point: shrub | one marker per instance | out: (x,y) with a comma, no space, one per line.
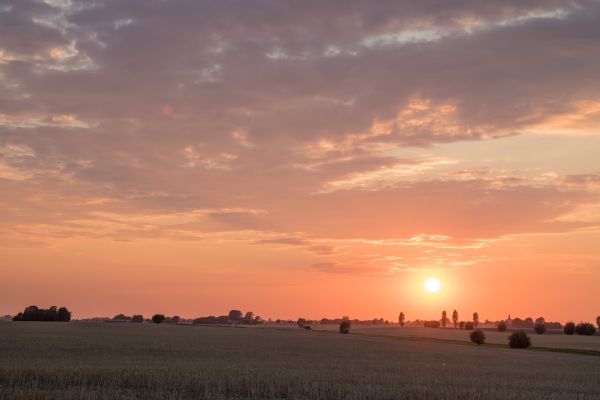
(158,318)
(307,327)
(502,326)
(138,319)
(477,336)
(431,324)
(469,326)
(540,328)
(519,340)
(585,328)
(569,328)
(345,326)
(461,324)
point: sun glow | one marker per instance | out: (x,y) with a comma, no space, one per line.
(432,285)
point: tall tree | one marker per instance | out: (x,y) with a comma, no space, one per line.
(475,319)
(598,321)
(235,315)
(64,315)
(444,318)
(455,318)
(401,319)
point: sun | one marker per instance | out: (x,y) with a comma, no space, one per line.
(432,285)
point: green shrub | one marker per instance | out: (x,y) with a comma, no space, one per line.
(345,326)
(477,336)
(540,328)
(519,340)
(569,328)
(585,328)
(502,326)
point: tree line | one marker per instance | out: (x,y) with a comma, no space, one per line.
(53,314)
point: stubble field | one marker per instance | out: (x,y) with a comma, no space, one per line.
(146,361)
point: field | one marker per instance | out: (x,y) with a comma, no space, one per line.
(146,361)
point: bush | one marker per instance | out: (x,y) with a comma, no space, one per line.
(585,328)
(345,326)
(540,328)
(477,336)
(569,328)
(502,326)
(307,327)
(158,318)
(461,324)
(519,340)
(469,326)
(431,324)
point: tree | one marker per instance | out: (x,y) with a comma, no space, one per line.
(33,313)
(345,325)
(519,340)
(249,317)
(175,319)
(540,328)
(235,315)
(540,320)
(137,319)
(121,317)
(475,319)
(158,318)
(401,319)
(455,318)
(64,315)
(301,322)
(585,328)
(444,318)
(469,326)
(598,321)
(502,326)
(477,336)
(461,324)
(569,328)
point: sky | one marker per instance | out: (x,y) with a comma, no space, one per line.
(300,158)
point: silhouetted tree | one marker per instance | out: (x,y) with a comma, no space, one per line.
(455,318)
(477,336)
(175,319)
(444,318)
(569,328)
(598,321)
(502,326)
(540,328)
(301,322)
(540,320)
(158,318)
(431,324)
(461,324)
(345,325)
(249,317)
(121,317)
(401,319)
(475,319)
(235,315)
(64,315)
(137,319)
(519,340)
(469,326)
(33,313)
(585,328)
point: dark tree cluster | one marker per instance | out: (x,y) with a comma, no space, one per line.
(235,317)
(431,324)
(52,314)
(585,328)
(345,325)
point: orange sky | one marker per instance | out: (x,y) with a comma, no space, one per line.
(312,160)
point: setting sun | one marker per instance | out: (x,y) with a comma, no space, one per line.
(432,285)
